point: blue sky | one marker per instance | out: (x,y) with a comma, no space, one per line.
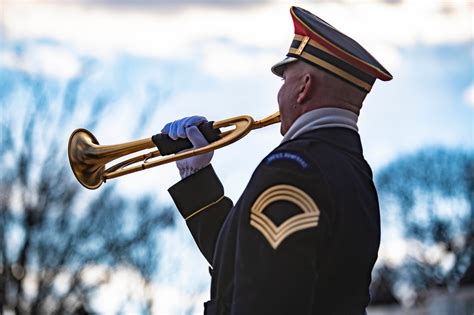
(174,59)
(424,105)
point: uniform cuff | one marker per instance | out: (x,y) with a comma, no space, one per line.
(194,193)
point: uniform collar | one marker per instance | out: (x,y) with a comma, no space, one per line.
(322,118)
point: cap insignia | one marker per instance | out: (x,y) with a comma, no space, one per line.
(303,43)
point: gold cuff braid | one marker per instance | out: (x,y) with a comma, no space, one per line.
(203,208)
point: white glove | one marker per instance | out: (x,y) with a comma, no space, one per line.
(186,128)
(177,128)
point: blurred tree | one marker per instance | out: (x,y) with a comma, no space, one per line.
(58,243)
(430,197)
(382,286)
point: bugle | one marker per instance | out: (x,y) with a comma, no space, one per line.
(88,159)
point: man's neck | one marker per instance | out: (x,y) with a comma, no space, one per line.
(326,117)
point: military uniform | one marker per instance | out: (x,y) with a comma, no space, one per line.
(303,237)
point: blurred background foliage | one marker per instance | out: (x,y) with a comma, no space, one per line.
(428,196)
(58,245)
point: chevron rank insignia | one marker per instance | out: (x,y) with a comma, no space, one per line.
(275,235)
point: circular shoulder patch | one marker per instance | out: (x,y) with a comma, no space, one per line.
(275,235)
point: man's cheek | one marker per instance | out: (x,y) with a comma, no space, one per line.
(279,98)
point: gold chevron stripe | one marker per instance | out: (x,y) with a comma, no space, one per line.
(289,222)
(283,230)
(275,241)
(277,234)
(284,226)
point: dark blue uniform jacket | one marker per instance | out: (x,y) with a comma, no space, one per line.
(302,238)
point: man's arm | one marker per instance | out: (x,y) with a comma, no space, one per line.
(199,196)
(200,200)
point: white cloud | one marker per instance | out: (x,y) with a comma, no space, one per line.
(43,59)
(228,42)
(469,95)
(225,62)
(158,33)
(191,31)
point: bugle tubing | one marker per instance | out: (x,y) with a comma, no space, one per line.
(88,159)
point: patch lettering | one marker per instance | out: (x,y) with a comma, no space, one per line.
(286,155)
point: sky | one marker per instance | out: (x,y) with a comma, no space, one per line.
(179,58)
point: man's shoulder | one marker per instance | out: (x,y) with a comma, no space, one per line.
(305,150)
(292,161)
(326,153)
(326,143)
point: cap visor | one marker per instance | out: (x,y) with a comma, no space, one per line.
(278,68)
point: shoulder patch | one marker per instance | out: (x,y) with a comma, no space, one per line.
(275,235)
(288,156)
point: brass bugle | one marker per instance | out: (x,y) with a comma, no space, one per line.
(88,159)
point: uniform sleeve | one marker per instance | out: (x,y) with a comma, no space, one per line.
(200,200)
(280,237)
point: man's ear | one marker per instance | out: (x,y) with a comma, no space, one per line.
(304,88)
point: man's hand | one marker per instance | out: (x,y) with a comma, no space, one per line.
(187,128)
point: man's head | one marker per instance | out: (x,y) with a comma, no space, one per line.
(323,68)
(306,88)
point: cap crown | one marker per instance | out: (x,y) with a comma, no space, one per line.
(320,44)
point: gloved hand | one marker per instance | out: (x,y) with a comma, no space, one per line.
(186,128)
(177,128)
